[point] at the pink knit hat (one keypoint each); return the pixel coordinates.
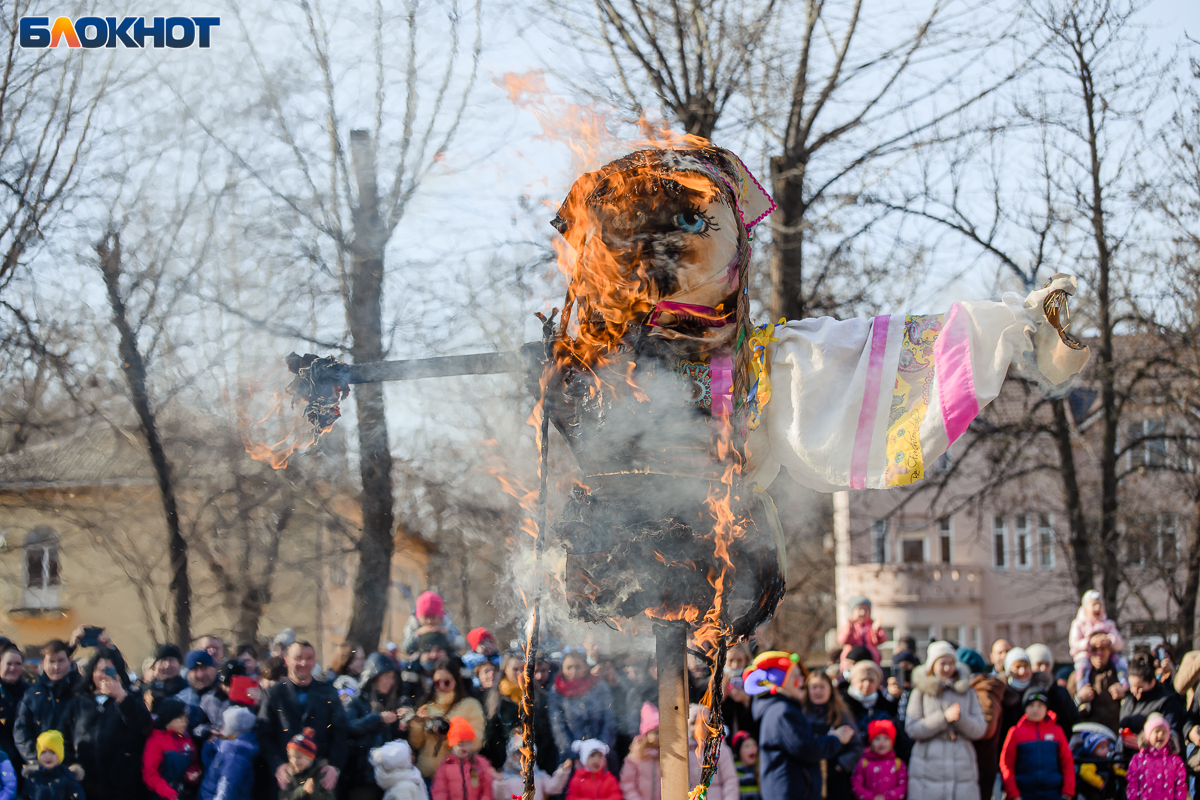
(429, 604)
(649, 718)
(1155, 720)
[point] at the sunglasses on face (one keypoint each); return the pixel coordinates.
(444, 682)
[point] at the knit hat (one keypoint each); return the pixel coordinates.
(169, 708)
(433, 639)
(478, 635)
(1155, 720)
(52, 741)
(768, 671)
(303, 742)
(859, 600)
(1017, 654)
(285, 638)
(429, 604)
(1034, 694)
(238, 720)
(737, 740)
(586, 747)
(649, 718)
(938, 650)
(1089, 596)
(1039, 654)
(460, 731)
(199, 658)
(972, 659)
(168, 651)
(884, 727)
(863, 669)
(904, 657)
(1092, 740)
(858, 653)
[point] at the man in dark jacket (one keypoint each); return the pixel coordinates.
(1099, 699)
(167, 680)
(1147, 695)
(298, 702)
(44, 706)
(372, 717)
(790, 755)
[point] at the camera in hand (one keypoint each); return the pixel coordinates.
(438, 726)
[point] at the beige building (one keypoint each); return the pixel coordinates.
(83, 542)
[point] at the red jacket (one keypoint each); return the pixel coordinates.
(593, 786)
(475, 773)
(169, 756)
(1044, 744)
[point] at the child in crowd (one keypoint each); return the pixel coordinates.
(592, 780)
(229, 760)
(170, 767)
(463, 775)
(880, 774)
(305, 783)
(641, 777)
(50, 780)
(483, 649)
(1096, 768)
(1090, 620)
(8, 778)
(430, 616)
(860, 631)
(1156, 771)
(1036, 762)
(745, 749)
(511, 781)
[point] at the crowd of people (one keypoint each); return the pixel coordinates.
(438, 717)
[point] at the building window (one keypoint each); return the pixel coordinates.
(912, 551)
(1049, 634)
(879, 541)
(923, 635)
(1168, 538)
(1024, 633)
(1045, 541)
(944, 540)
(42, 573)
(998, 542)
(1147, 443)
(1022, 535)
(977, 638)
(1003, 631)
(954, 633)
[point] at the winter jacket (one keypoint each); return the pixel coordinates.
(876, 775)
(432, 749)
(167, 761)
(587, 785)
(1157, 698)
(363, 721)
(205, 708)
(588, 716)
(1036, 761)
(463, 779)
(886, 707)
(990, 692)
(789, 754)
(508, 784)
(724, 785)
(943, 764)
(642, 780)
(8, 778)
(408, 644)
(854, 634)
(1103, 709)
(1157, 775)
(1082, 629)
(295, 788)
(42, 708)
(839, 768)
(10, 701)
(229, 768)
(107, 740)
(747, 781)
(52, 784)
(504, 716)
(281, 716)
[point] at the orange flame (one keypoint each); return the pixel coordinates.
(275, 435)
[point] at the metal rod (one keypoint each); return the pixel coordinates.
(526, 358)
(670, 653)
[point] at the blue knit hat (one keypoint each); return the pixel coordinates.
(973, 660)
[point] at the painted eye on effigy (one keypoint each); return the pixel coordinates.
(693, 220)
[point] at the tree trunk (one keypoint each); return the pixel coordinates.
(375, 544)
(1191, 588)
(787, 236)
(1085, 570)
(135, 375)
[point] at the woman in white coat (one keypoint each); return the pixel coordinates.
(943, 718)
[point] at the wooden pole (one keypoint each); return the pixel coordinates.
(671, 656)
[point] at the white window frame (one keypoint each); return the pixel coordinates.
(924, 540)
(999, 536)
(945, 530)
(1021, 549)
(45, 594)
(1045, 541)
(879, 541)
(1149, 450)
(977, 638)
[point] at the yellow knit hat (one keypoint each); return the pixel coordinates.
(53, 741)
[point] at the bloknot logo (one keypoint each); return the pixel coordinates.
(176, 32)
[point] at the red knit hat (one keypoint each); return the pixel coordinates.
(429, 604)
(881, 727)
(460, 731)
(304, 743)
(478, 635)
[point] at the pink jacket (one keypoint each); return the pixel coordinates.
(724, 784)
(1157, 775)
(853, 634)
(476, 771)
(876, 775)
(641, 780)
(1082, 628)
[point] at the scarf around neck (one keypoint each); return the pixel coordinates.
(576, 688)
(867, 701)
